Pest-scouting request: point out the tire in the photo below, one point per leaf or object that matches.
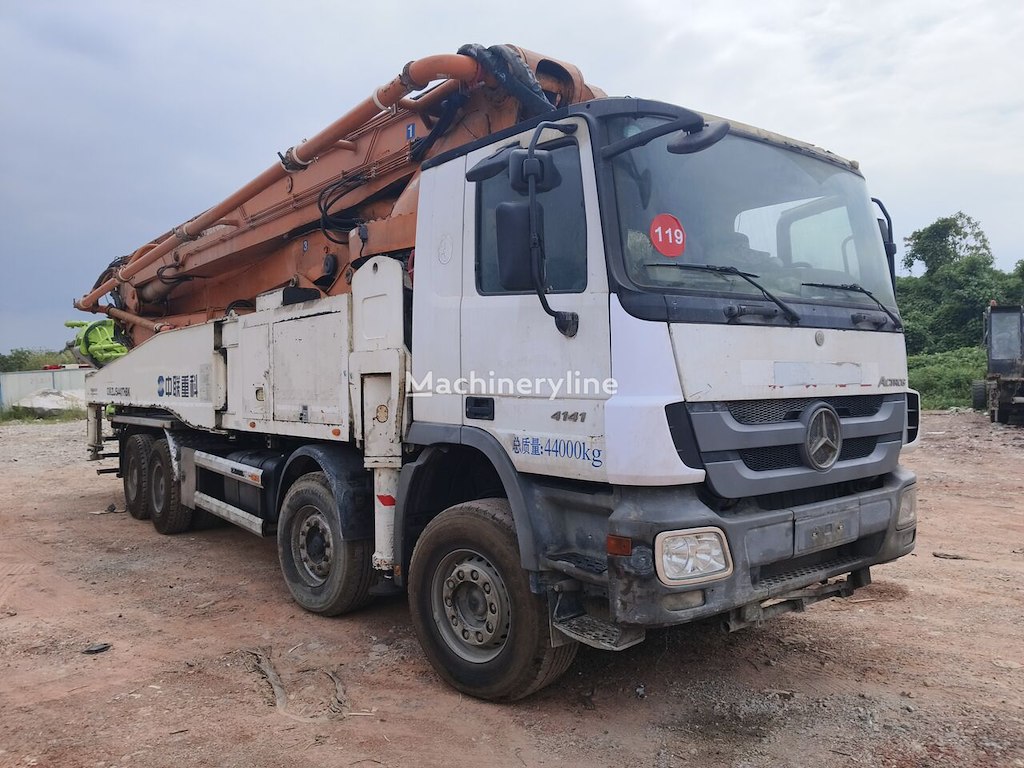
(135, 474)
(326, 573)
(166, 511)
(979, 395)
(480, 626)
(1002, 414)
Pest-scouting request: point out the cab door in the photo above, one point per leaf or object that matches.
(539, 392)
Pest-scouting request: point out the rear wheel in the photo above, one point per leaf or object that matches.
(135, 473)
(480, 626)
(1002, 414)
(166, 511)
(326, 573)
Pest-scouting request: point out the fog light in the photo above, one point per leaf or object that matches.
(688, 557)
(908, 508)
(682, 601)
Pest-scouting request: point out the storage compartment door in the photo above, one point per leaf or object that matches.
(310, 373)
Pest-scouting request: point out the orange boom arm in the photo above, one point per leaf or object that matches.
(349, 191)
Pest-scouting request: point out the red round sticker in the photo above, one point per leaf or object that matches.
(668, 236)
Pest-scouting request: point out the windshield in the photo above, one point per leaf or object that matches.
(780, 215)
(1006, 336)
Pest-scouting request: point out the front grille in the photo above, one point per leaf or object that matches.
(788, 456)
(857, 448)
(772, 457)
(789, 409)
(754, 447)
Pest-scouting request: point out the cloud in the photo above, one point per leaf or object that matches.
(120, 120)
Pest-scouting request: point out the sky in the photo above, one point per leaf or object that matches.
(122, 119)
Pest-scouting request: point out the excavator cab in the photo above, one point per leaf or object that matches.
(1002, 391)
(1005, 340)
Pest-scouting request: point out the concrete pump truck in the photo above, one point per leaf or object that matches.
(563, 367)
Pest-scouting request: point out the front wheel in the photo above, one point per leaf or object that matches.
(480, 626)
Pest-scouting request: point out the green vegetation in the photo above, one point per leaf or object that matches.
(22, 359)
(25, 414)
(944, 378)
(942, 309)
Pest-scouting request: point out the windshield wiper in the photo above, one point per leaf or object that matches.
(787, 311)
(854, 288)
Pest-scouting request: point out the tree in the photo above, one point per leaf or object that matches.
(945, 241)
(942, 309)
(1017, 283)
(16, 360)
(21, 359)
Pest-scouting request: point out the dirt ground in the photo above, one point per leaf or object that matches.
(923, 668)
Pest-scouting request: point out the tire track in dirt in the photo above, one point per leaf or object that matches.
(12, 575)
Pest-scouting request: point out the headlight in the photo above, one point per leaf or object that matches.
(908, 508)
(690, 557)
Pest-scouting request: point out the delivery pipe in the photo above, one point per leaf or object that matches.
(431, 98)
(127, 317)
(416, 75)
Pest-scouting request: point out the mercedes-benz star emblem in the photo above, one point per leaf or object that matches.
(824, 438)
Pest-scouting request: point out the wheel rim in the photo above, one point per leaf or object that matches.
(131, 476)
(313, 546)
(157, 484)
(471, 606)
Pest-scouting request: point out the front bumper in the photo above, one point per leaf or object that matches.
(775, 554)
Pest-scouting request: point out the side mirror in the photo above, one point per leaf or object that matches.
(541, 167)
(515, 264)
